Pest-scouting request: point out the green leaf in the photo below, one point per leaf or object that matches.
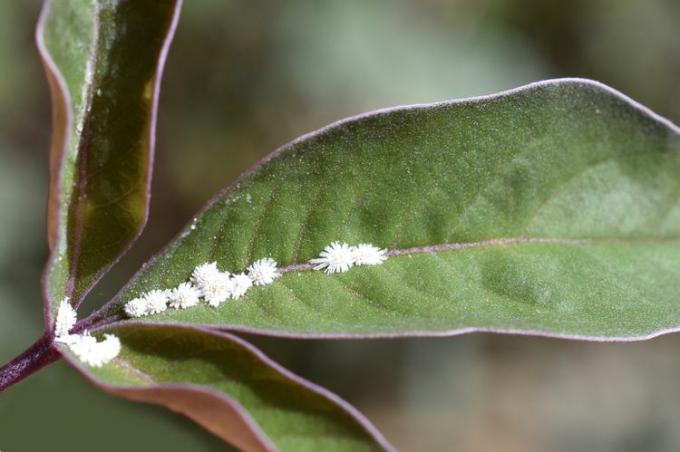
(212, 377)
(103, 60)
(551, 209)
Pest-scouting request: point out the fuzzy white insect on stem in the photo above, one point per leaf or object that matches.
(368, 254)
(338, 257)
(156, 301)
(218, 290)
(136, 307)
(203, 274)
(263, 271)
(215, 287)
(66, 318)
(84, 346)
(184, 296)
(93, 352)
(240, 284)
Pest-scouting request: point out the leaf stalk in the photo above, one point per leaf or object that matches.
(37, 356)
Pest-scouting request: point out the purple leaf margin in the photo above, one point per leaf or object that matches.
(62, 125)
(251, 437)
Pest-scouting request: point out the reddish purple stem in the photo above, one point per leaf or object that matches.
(37, 356)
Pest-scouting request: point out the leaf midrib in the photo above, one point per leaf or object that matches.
(82, 120)
(135, 371)
(428, 249)
(500, 242)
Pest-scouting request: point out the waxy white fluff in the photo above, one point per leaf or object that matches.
(240, 284)
(156, 301)
(66, 318)
(217, 290)
(367, 254)
(263, 271)
(136, 307)
(152, 302)
(337, 257)
(93, 352)
(184, 296)
(84, 346)
(204, 274)
(214, 286)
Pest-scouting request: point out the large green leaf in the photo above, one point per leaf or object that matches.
(212, 377)
(103, 60)
(550, 209)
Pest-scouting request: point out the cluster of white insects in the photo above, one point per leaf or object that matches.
(210, 285)
(85, 346)
(214, 287)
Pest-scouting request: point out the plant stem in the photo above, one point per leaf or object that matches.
(37, 356)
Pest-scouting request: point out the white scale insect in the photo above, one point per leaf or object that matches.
(85, 346)
(214, 287)
(207, 282)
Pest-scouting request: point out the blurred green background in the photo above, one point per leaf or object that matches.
(245, 76)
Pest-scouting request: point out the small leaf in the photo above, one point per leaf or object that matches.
(214, 377)
(104, 61)
(551, 209)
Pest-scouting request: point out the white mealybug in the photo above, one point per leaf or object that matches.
(109, 348)
(367, 254)
(156, 301)
(66, 318)
(136, 307)
(335, 258)
(93, 352)
(203, 274)
(240, 285)
(214, 286)
(218, 289)
(263, 271)
(184, 296)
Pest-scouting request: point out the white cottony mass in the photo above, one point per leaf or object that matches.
(218, 289)
(367, 254)
(204, 274)
(93, 352)
(136, 307)
(152, 302)
(209, 283)
(66, 318)
(156, 301)
(184, 296)
(337, 257)
(239, 285)
(214, 286)
(84, 346)
(263, 271)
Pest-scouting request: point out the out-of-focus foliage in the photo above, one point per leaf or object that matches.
(243, 77)
(280, 69)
